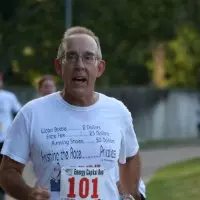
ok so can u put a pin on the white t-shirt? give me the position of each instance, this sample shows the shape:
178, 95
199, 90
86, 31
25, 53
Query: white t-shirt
54, 134
8, 105
142, 188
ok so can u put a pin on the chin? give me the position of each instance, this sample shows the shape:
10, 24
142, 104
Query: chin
78, 91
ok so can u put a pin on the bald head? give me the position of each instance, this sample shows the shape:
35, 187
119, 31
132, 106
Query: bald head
76, 32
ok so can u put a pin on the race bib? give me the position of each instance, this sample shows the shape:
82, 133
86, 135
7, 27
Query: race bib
82, 183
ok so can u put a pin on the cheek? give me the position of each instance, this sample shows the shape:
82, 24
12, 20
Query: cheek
42, 89
93, 73
66, 74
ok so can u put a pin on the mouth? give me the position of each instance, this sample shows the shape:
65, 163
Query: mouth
79, 80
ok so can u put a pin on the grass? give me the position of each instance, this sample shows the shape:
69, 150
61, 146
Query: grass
176, 182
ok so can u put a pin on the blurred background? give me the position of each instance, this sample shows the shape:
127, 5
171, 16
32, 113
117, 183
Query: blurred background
152, 50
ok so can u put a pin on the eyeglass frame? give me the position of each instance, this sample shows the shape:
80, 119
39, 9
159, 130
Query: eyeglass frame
64, 59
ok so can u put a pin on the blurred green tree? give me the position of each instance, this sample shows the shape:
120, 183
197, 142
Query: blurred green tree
30, 39
140, 39
183, 61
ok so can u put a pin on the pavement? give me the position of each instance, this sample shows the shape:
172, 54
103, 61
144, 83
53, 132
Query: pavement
152, 160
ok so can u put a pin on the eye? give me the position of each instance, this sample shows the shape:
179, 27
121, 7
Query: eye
89, 57
71, 56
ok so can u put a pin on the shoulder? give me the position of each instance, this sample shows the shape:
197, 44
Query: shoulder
116, 105
7, 94
38, 104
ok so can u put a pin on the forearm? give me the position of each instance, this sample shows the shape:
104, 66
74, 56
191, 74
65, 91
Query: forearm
13, 183
130, 176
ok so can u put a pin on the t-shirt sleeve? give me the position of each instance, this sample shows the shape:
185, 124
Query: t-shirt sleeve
15, 104
129, 142
17, 143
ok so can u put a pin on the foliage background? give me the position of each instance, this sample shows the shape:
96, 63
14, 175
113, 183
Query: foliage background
144, 42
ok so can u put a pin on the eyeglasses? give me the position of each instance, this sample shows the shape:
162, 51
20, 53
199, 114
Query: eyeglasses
87, 58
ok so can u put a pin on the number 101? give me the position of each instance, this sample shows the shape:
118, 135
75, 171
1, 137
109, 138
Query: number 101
83, 188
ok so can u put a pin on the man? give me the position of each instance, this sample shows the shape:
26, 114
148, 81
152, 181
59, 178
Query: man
46, 85
9, 106
74, 137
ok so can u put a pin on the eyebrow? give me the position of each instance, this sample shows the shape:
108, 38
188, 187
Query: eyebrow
71, 52
86, 52
89, 53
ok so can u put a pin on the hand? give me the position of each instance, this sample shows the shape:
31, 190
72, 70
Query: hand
39, 193
119, 188
138, 196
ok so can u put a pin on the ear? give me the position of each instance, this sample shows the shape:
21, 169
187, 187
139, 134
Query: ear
58, 67
101, 68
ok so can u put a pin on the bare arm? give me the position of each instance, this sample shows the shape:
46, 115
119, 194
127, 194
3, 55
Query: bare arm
130, 175
11, 179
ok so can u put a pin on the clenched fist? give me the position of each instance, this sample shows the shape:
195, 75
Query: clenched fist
39, 193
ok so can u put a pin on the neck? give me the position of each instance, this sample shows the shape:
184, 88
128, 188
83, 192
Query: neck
84, 100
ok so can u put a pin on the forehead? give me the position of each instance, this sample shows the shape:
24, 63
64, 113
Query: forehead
48, 82
81, 43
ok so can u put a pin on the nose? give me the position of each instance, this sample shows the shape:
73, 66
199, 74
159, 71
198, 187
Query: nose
79, 63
